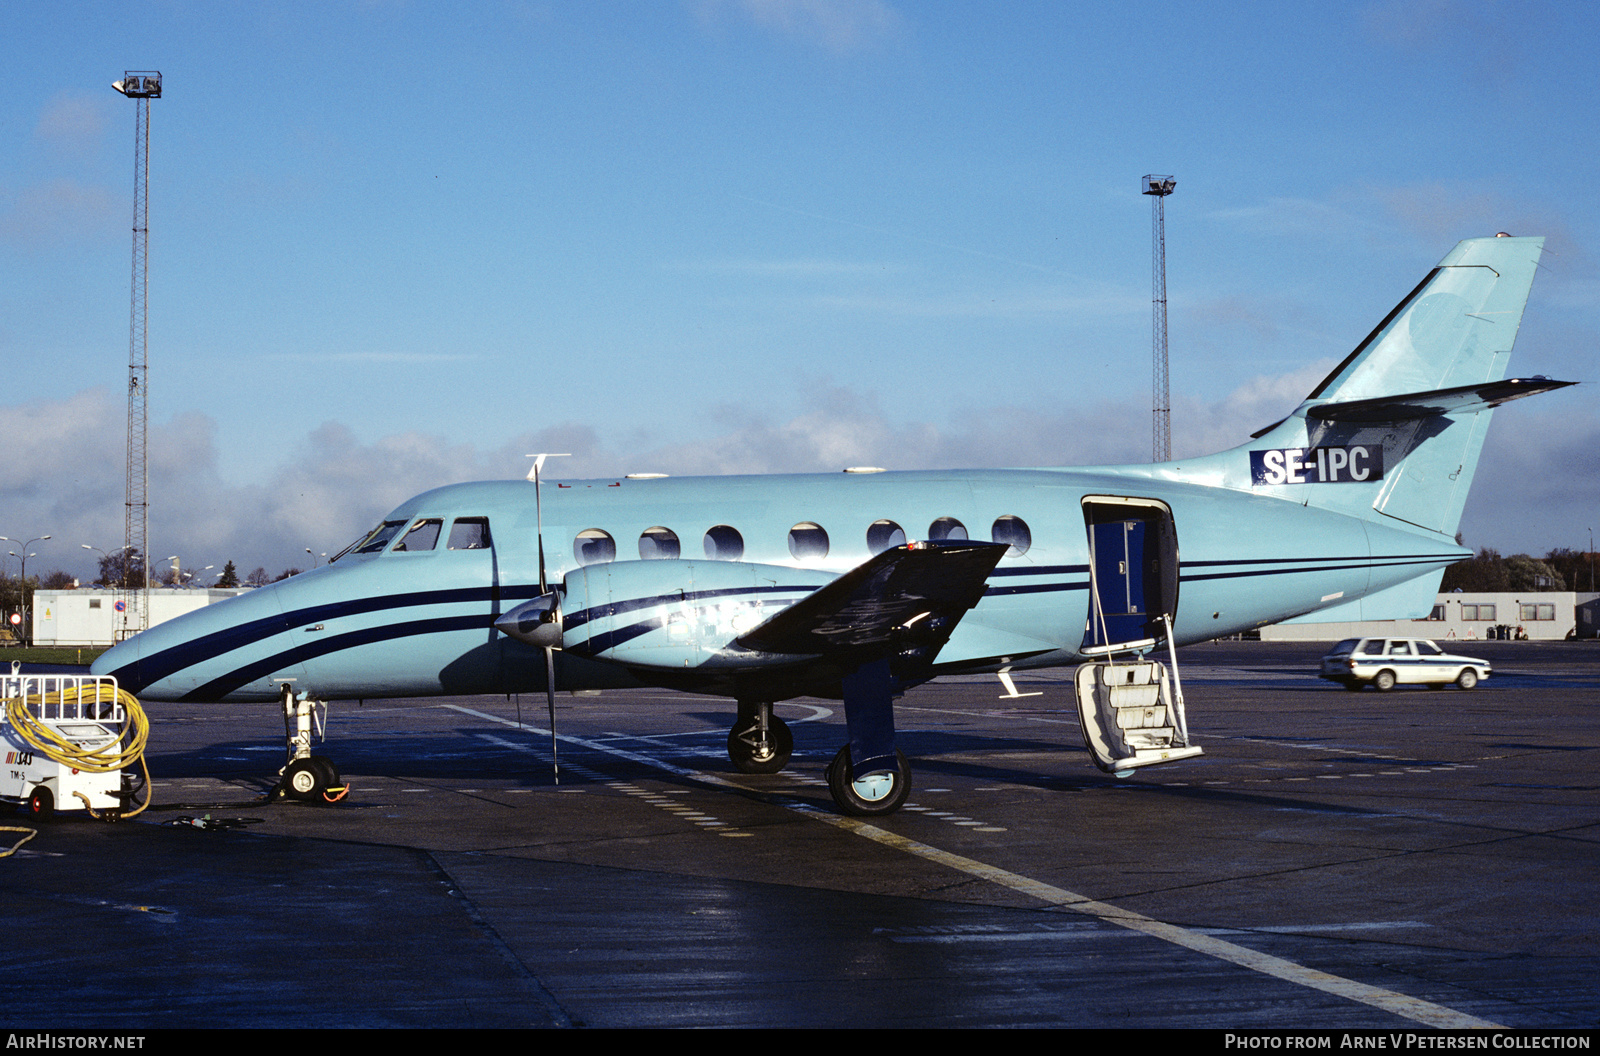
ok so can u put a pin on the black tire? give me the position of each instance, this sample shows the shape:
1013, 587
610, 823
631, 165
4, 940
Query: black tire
41, 804
303, 780
865, 802
331, 779
327, 771
750, 757
1383, 681
1467, 679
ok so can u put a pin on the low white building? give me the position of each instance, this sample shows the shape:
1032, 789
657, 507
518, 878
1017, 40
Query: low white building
90, 617
1538, 615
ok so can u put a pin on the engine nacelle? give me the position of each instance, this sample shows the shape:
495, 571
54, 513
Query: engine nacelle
677, 614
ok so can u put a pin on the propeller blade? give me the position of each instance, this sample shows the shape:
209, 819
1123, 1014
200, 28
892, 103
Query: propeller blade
535, 622
550, 696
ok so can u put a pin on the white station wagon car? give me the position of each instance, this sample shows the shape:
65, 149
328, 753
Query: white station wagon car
1387, 662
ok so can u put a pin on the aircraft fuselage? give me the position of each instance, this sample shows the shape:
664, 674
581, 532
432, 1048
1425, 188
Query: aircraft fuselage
419, 622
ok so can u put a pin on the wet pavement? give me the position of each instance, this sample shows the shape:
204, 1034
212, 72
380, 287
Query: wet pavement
1336, 859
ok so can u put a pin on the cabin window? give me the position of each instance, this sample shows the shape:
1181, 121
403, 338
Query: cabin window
947, 528
379, 537
808, 542
424, 535
470, 533
1014, 532
724, 543
594, 547
658, 544
881, 535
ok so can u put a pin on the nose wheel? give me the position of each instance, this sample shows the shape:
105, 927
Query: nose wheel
760, 742
312, 779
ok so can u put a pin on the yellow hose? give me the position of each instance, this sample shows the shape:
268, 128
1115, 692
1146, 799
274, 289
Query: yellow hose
110, 757
31, 833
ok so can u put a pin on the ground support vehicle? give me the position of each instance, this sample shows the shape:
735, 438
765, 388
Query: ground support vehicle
1384, 663
70, 742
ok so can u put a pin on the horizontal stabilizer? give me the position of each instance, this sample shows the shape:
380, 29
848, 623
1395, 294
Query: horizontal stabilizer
1413, 405
907, 596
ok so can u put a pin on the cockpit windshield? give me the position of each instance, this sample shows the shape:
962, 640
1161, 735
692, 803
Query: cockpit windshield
424, 535
373, 541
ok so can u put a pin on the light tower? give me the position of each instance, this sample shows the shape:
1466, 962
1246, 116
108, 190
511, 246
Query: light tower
141, 87
1158, 187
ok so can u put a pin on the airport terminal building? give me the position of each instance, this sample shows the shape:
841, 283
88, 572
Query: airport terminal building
1534, 615
91, 618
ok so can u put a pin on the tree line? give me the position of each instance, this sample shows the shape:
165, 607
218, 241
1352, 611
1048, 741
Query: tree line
1560, 569
125, 570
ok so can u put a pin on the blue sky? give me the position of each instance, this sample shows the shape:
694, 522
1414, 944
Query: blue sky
399, 244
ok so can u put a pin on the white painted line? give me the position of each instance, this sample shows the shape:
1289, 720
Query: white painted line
1415, 1009
1399, 1004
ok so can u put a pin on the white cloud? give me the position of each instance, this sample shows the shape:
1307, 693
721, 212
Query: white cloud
1538, 485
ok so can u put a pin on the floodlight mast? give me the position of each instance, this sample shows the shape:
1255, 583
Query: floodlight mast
1158, 187
134, 591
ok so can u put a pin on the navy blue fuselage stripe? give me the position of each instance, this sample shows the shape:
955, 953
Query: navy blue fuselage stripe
1041, 570
1295, 571
221, 687
155, 668
611, 639
1362, 558
1036, 588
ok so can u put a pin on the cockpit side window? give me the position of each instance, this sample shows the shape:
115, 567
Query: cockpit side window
379, 537
470, 533
424, 535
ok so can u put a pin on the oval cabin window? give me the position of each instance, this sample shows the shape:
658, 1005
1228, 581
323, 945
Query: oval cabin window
1014, 532
594, 547
808, 542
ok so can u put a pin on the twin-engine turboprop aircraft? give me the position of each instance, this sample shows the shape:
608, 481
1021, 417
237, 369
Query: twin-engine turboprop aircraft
863, 584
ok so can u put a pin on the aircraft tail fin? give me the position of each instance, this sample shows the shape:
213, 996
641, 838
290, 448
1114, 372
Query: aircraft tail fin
1393, 434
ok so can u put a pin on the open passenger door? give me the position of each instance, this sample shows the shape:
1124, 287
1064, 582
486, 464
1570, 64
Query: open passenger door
1132, 714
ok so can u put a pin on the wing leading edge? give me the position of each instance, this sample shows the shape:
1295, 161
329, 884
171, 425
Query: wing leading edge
908, 598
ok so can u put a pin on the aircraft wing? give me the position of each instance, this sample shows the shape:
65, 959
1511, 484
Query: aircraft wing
906, 597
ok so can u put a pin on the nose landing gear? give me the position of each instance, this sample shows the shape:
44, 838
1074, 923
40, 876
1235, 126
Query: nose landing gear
306, 778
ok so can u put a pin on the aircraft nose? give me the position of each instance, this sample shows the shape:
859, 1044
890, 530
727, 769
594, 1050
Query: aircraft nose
189, 656
124, 656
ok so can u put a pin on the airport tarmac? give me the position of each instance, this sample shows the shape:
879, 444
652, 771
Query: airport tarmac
1335, 860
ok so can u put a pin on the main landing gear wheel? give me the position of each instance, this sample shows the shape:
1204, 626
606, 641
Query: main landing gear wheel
875, 794
750, 753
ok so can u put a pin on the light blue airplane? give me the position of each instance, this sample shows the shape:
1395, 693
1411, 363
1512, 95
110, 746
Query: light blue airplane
860, 585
